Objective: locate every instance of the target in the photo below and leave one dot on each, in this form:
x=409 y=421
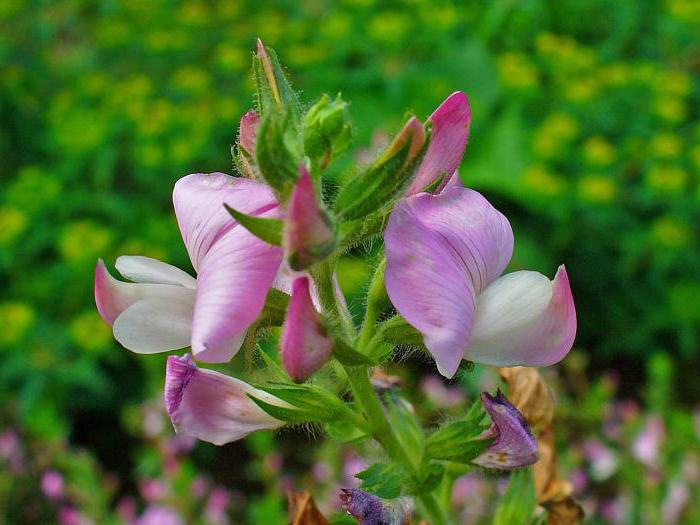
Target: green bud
x=327 y=130
x=273 y=90
x=277 y=152
x=386 y=178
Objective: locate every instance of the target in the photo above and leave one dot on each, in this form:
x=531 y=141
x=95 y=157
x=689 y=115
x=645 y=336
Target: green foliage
x=383 y=479
x=517 y=505
x=269 y=230
x=460 y=440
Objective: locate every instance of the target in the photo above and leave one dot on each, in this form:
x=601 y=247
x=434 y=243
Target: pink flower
x=159 y=515
x=52 y=484
x=304 y=344
x=445 y=254
x=212 y=406
x=646 y=445
x=164 y=308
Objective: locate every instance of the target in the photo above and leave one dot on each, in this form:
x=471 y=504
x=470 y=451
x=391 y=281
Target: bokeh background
x=585 y=133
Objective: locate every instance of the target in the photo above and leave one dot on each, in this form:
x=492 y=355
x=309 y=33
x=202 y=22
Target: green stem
x=376 y=299
x=325 y=284
x=382 y=432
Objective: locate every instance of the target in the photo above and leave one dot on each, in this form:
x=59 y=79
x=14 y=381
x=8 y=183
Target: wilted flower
x=369 y=509
x=212 y=406
x=513 y=444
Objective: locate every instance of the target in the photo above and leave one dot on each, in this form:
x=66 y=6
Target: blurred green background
x=585 y=133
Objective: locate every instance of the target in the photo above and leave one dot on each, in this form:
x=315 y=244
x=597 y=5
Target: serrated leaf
x=460 y=441
x=267 y=229
x=383 y=479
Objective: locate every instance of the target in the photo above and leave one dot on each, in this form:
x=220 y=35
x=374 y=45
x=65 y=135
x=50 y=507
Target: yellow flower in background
x=581 y=89
x=303 y=56
x=540 y=180
x=12 y=223
x=670 y=232
x=675 y=83
x=556 y=131
x=89 y=332
x=666 y=146
x=389 y=27
x=617 y=75
x=671 y=109
x=18 y=318
x=336 y=27
x=597 y=188
x=230 y=57
x=33 y=189
x=192 y=80
x=667 y=179
x=517 y=71
x=83 y=241
x=598 y=152
x=685 y=10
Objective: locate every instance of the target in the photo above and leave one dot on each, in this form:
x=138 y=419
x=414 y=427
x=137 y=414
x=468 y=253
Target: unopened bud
x=308 y=234
x=304 y=345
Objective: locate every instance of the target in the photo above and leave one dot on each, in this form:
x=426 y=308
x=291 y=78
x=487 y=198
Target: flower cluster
x=264 y=246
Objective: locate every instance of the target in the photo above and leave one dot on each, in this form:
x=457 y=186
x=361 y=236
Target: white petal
x=146 y=270
x=156 y=324
x=523 y=319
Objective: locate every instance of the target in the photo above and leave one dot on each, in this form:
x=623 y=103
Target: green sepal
x=272 y=98
x=380 y=184
x=383 y=479
x=288 y=415
x=397 y=331
x=327 y=131
x=406 y=426
x=266 y=229
x=278 y=153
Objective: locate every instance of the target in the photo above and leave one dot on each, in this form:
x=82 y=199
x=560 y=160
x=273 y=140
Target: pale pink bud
x=304 y=344
x=308 y=236
x=247 y=132
x=52 y=484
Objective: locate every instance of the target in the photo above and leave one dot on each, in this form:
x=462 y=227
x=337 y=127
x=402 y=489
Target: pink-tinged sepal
x=448 y=139
x=513 y=444
x=212 y=406
x=305 y=346
x=524 y=319
x=308 y=233
x=247 y=132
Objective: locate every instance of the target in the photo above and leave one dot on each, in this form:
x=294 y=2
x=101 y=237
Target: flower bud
x=513 y=446
x=247 y=131
x=274 y=92
x=326 y=129
x=304 y=345
x=308 y=233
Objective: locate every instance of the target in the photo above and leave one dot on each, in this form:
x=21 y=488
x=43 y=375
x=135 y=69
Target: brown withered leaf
x=530 y=394
x=565 y=511
x=303 y=510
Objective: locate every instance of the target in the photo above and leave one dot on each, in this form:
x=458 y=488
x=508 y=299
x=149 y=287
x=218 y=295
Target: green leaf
x=269 y=230
x=383 y=479
x=429 y=478
x=349 y=356
x=405 y=424
x=289 y=415
x=345 y=432
x=398 y=332
x=314 y=402
x=460 y=441
x=518 y=503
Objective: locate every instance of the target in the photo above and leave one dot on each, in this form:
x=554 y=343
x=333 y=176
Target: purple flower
x=645 y=446
x=445 y=254
x=366 y=508
x=212 y=406
x=513 y=445
x=304 y=344
x=159 y=515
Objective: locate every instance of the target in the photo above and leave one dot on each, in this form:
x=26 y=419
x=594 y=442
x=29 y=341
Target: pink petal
x=308 y=237
x=211 y=406
x=524 y=319
x=199 y=199
x=247 y=131
x=233 y=281
x=441 y=251
x=112 y=296
x=447 y=141
x=304 y=344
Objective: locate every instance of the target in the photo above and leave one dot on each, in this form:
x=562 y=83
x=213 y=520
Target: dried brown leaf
x=565 y=511
x=303 y=510
x=530 y=394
